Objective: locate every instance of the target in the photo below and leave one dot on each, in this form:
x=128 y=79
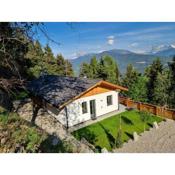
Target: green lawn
x=102 y=134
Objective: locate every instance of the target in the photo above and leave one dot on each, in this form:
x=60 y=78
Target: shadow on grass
x=129 y=135
x=110 y=137
x=126 y=120
x=150 y=125
x=87 y=134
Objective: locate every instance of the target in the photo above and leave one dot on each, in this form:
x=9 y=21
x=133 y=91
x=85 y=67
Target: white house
x=74 y=100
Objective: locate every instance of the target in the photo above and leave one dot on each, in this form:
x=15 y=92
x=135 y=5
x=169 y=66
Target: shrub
x=33 y=139
x=4 y=117
x=119 y=141
x=144 y=116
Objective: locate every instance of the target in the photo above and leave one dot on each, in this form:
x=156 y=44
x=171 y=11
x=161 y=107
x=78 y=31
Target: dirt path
x=161 y=140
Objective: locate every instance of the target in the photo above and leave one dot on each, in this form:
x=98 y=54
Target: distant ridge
x=125 y=57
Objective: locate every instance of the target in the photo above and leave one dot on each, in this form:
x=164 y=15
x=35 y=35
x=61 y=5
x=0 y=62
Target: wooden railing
x=156 y=110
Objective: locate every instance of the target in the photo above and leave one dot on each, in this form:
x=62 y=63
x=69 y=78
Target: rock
x=135 y=136
x=16 y=104
x=5 y=133
x=104 y=150
x=1 y=135
x=155 y=125
x=3 y=140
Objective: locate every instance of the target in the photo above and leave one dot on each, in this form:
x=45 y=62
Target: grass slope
x=102 y=134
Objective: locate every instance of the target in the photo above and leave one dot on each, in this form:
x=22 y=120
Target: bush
x=4 y=117
x=33 y=139
x=119 y=141
x=144 y=116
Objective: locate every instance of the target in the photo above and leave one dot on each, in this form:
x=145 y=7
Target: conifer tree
x=68 y=69
x=85 y=70
x=162 y=85
x=60 y=63
x=171 y=89
x=130 y=77
x=48 y=54
x=94 y=67
x=138 y=90
x=108 y=69
x=152 y=73
x=35 y=55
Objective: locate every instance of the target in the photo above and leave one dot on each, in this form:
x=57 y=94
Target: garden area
x=112 y=132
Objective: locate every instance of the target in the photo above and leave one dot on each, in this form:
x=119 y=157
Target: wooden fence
x=157 y=110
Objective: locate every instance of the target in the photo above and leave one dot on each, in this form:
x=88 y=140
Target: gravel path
x=161 y=140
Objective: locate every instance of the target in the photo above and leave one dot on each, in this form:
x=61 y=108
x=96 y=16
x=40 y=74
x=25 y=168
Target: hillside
x=20 y=136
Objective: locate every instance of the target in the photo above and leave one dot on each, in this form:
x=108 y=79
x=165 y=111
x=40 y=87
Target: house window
x=109 y=100
x=84 y=107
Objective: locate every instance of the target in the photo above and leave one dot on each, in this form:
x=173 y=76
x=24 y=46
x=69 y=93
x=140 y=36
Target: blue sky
x=79 y=38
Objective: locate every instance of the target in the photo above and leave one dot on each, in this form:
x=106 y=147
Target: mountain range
x=125 y=57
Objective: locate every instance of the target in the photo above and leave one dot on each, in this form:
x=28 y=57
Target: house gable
x=98 y=88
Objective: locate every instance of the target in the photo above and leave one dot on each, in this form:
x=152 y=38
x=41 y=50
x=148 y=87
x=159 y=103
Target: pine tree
x=60 y=63
x=94 y=68
x=108 y=69
x=130 y=77
x=152 y=73
x=101 y=71
x=68 y=69
x=161 y=89
x=105 y=69
x=35 y=55
x=46 y=62
x=85 y=70
x=48 y=54
x=14 y=40
x=172 y=83
x=138 y=90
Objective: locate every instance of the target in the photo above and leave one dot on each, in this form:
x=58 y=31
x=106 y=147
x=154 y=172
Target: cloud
x=100 y=51
x=134 y=44
x=110 y=40
x=77 y=54
x=147 y=31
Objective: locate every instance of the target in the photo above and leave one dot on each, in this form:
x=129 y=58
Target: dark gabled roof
x=57 y=90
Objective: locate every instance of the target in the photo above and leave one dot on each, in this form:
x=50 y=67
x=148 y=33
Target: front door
x=92 y=109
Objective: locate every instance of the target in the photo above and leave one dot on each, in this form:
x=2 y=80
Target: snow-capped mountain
x=163 y=50
x=125 y=57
